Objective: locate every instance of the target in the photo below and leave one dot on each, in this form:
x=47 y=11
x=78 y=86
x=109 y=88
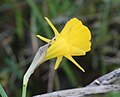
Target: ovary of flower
x=74 y=40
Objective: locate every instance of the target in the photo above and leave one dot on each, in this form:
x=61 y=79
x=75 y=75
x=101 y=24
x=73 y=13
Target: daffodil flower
x=74 y=40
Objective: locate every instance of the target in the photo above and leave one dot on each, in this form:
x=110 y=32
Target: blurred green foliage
x=21 y=20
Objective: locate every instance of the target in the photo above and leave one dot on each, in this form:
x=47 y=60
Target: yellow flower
x=74 y=40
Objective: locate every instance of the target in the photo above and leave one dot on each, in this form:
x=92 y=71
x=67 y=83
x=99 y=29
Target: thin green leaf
x=2 y=92
x=70 y=73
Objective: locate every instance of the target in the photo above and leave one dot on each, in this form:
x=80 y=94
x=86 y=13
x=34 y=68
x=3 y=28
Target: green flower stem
x=38 y=59
x=24 y=90
x=25 y=82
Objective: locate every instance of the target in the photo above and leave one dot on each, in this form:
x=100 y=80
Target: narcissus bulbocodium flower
x=74 y=40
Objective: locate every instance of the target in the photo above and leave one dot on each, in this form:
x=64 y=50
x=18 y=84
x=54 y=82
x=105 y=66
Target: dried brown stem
x=103 y=84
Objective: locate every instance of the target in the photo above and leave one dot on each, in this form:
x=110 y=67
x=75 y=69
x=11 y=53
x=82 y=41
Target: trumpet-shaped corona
x=74 y=40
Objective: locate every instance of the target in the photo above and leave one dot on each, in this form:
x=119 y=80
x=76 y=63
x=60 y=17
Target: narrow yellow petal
x=72 y=60
x=59 y=59
x=52 y=26
x=43 y=38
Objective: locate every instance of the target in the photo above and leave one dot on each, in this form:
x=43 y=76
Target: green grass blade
x=38 y=14
x=2 y=92
x=19 y=24
x=70 y=73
